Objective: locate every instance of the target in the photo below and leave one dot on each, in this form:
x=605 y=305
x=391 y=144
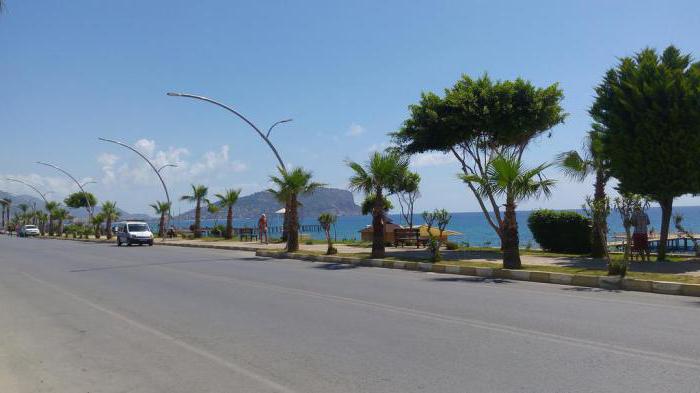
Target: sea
x=472 y=226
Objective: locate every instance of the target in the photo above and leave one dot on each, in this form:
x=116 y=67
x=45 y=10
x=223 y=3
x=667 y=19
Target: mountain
x=332 y=200
x=38 y=203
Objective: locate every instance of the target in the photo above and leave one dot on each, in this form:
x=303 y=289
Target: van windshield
x=137 y=228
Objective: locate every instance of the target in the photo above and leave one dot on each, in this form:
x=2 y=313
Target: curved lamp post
x=265 y=137
x=87 y=200
x=42 y=194
x=156 y=170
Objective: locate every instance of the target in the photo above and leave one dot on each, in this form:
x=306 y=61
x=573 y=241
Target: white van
x=133 y=232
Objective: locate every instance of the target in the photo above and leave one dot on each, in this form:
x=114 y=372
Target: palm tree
x=213 y=209
x=50 y=206
x=5 y=203
x=290 y=185
x=228 y=199
x=22 y=216
x=8 y=207
x=578 y=167
x=111 y=213
x=507 y=177
x=97 y=220
x=378 y=175
x=327 y=220
x=161 y=208
x=60 y=214
x=199 y=195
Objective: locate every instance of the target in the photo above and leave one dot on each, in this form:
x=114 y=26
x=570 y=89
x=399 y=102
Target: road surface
x=78 y=317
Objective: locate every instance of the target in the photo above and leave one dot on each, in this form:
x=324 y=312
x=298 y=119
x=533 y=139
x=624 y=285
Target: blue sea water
x=472 y=225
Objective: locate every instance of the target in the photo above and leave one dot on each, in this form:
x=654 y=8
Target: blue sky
x=71 y=71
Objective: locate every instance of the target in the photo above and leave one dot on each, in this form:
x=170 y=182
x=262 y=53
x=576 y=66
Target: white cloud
x=55 y=187
x=355 y=130
x=133 y=170
x=432 y=159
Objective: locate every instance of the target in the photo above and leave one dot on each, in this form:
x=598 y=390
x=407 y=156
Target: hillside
x=333 y=200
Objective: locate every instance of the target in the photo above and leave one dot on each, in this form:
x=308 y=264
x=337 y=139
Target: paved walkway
x=688 y=267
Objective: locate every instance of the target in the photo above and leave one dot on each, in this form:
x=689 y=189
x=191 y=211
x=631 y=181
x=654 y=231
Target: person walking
x=640 y=238
x=262 y=228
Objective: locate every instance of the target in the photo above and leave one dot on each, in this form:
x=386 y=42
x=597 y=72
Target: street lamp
x=156 y=170
x=42 y=194
x=265 y=137
x=87 y=200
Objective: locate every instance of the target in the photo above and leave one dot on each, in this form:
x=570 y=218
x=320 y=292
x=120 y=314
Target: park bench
x=247 y=233
x=408 y=236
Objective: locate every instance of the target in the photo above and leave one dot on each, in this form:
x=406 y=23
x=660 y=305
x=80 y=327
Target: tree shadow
x=470 y=279
x=591 y=290
x=335 y=266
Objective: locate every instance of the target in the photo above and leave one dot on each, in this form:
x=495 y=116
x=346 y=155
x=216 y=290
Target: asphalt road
x=77 y=317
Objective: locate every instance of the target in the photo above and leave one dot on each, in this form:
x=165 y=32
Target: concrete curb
x=580 y=280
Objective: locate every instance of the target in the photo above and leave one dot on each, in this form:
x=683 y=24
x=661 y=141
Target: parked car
x=28 y=230
x=134 y=232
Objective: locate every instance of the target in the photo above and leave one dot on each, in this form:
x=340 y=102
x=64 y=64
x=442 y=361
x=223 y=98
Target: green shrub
x=451 y=245
x=561 y=231
x=617 y=268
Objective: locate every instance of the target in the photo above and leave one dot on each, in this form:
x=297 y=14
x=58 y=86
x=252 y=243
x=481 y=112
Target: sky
x=346 y=72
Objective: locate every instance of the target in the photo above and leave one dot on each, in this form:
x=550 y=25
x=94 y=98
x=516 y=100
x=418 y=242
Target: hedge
x=561 y=231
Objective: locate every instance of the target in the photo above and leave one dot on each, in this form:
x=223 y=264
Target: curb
x=580 y=280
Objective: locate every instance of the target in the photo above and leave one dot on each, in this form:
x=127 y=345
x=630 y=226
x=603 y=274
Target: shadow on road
x=335 y=266
x=470 y=280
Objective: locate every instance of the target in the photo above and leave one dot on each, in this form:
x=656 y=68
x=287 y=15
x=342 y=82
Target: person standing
x=262 y=227
x=640 y=238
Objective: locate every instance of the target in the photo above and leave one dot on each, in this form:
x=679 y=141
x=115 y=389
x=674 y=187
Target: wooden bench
x=410 y=236
x=247 y=233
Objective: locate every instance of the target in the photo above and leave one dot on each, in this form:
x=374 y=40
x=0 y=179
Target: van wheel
x=119 y=243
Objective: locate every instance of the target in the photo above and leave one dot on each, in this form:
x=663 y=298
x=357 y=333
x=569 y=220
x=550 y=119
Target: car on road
x=134 y=232
x=28 y=230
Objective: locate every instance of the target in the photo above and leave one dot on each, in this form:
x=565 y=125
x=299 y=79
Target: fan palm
x=50 y=206
x=60 y=215
x=327 y=220
x=161 y=208
x=378 y=175
x=228 y=199
x=111 y=213
x=97 y=220
x=290 y=185
x=507 y=177
x=578 y=167
x=199 y=195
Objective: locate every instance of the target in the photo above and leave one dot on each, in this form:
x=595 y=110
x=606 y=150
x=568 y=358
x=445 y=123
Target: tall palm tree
x=8 y=207
x=4 y=203
x=111 y=213
x=23 y=207
x=373 y=178
x=578 y=167
x=161 y=208
x=228 y=199
x=507 y=177
x=199 y=195
x=290 y=185
x=50 y=206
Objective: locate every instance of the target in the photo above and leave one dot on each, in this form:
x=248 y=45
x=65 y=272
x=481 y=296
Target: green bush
x=561 y=231
x=451 y=245
x=617 y=268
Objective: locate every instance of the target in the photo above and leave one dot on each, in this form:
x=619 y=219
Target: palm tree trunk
x=197 y=218
x=598 y=243
x=161 y=225
x=510 y=240
x=229 y=223
x=378 y=226
x=666 y=210
x=108 y=225
x=328 y=239
x=293 y=235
